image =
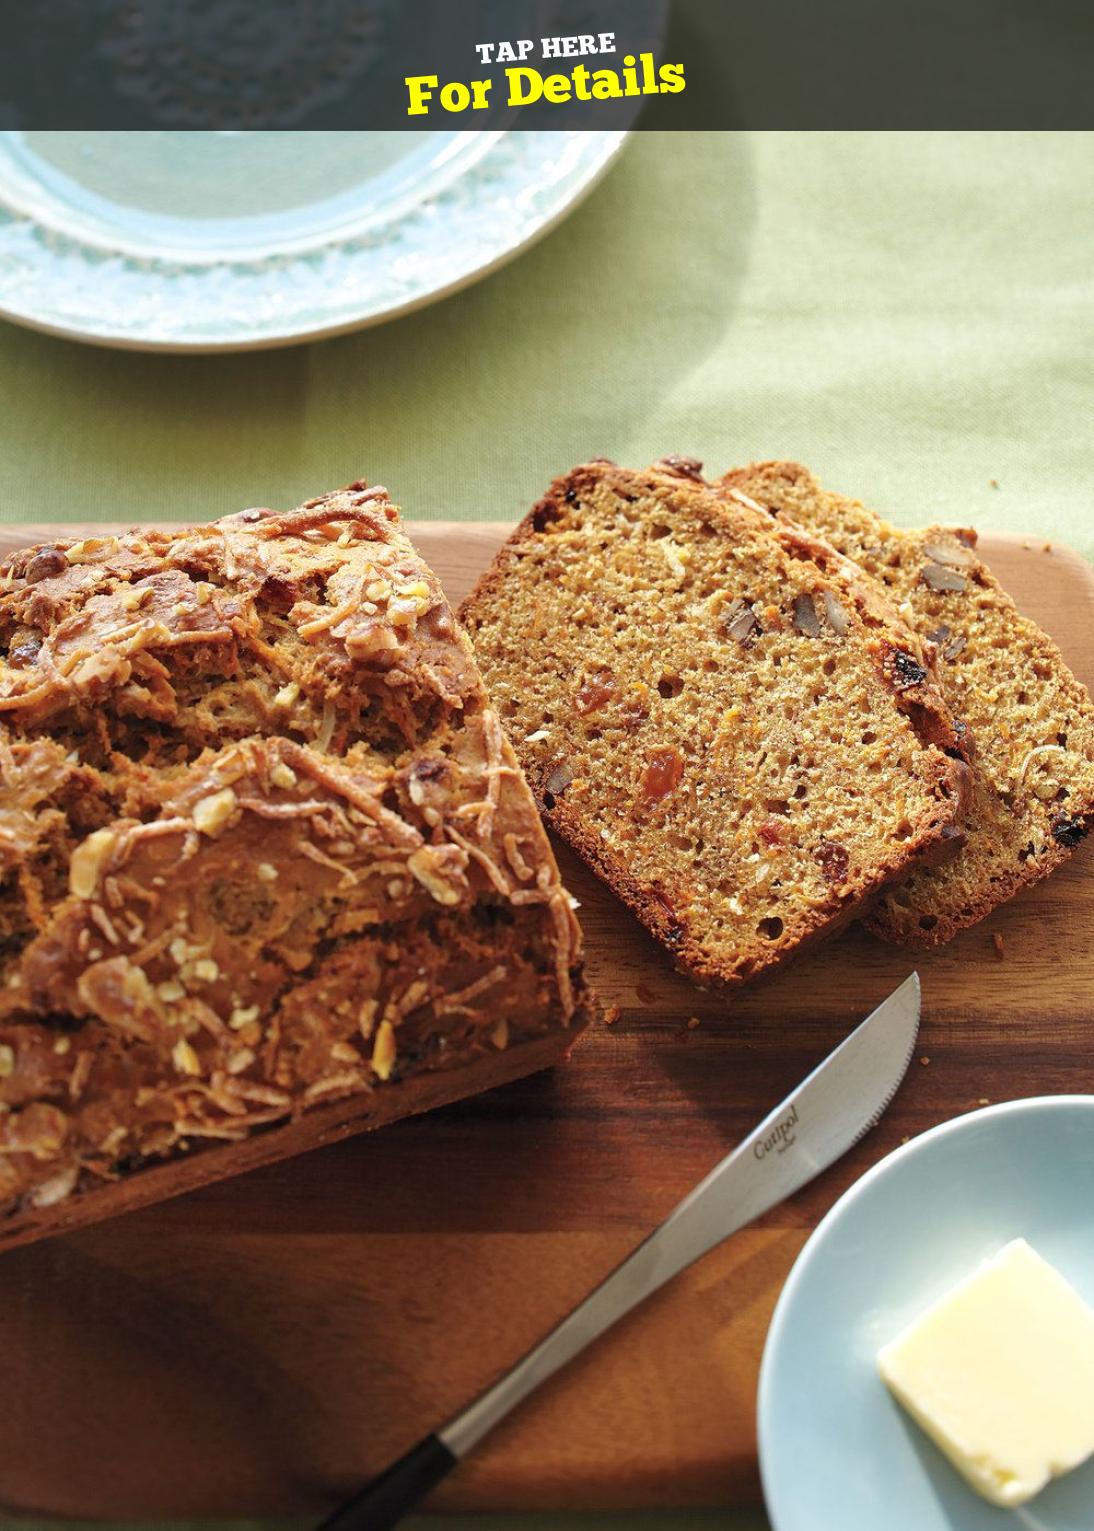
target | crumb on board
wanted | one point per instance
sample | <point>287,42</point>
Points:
<point>924,1060</point>
<point>693,1021</point>
<point>983,1101</point>
<point>999,944</point>
<point>611,1015</point>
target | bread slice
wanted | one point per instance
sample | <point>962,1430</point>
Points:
<point>716,712</point>
<point>1033,797</point>
<point>270,871</point>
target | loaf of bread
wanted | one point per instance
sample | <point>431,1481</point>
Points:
<point>1033,797</point>
<point>270,869</point>
<point>718,713</point>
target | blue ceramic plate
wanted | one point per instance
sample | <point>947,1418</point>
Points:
<point>836,1452</point>
<point>207,241</point>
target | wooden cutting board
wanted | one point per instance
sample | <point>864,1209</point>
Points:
<point>264,1345</point>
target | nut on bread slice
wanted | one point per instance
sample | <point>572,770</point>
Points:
<point>1032,800</point>
<point>717,712</point>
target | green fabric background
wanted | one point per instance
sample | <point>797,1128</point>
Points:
<point>911,314</point>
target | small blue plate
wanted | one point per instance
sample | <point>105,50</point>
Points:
<point>837,1453</point>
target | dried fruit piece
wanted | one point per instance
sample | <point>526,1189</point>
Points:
<point>24,652</point>
<point>833,860</point>
<point>1067,830</point>
<point>902,669</point>
<point>595,690</point>
<point>663,773</point>
<point>672,932</point>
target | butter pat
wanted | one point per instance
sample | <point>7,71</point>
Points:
<point>1000,1375</point>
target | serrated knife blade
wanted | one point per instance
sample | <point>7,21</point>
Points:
<point>813,1127</point>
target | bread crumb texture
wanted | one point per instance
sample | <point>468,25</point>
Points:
<point>263,844</point>
<point>719,714</point>
<point>1033,794</point>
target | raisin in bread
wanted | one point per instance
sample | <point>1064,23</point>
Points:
<point>1033,798</point>
<point>719,714</point>
<point>265,853</point>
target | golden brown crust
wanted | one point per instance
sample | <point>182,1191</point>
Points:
<point>263,844</point>
<point>619,596</point>
<point>318,1126</point>
<point>1033,794</point>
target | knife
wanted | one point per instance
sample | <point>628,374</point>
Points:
<point>813,1127</point>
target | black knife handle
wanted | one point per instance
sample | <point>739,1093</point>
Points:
<point>396,1491</point>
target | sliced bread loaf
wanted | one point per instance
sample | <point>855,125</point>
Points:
<point>717,712</point>
<point>1033,799</point>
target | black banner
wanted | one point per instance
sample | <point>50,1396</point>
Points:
<point>399,65</point>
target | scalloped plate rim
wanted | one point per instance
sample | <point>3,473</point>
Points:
<point>577,187</point>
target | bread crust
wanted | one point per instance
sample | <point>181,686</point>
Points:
<point>677,484</point>
<point>264,850</point>
<point>161,1179</point>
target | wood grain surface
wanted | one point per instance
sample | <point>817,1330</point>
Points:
<point>264,1344</point>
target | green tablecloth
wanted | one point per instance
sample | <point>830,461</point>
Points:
<point>910,314</point>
